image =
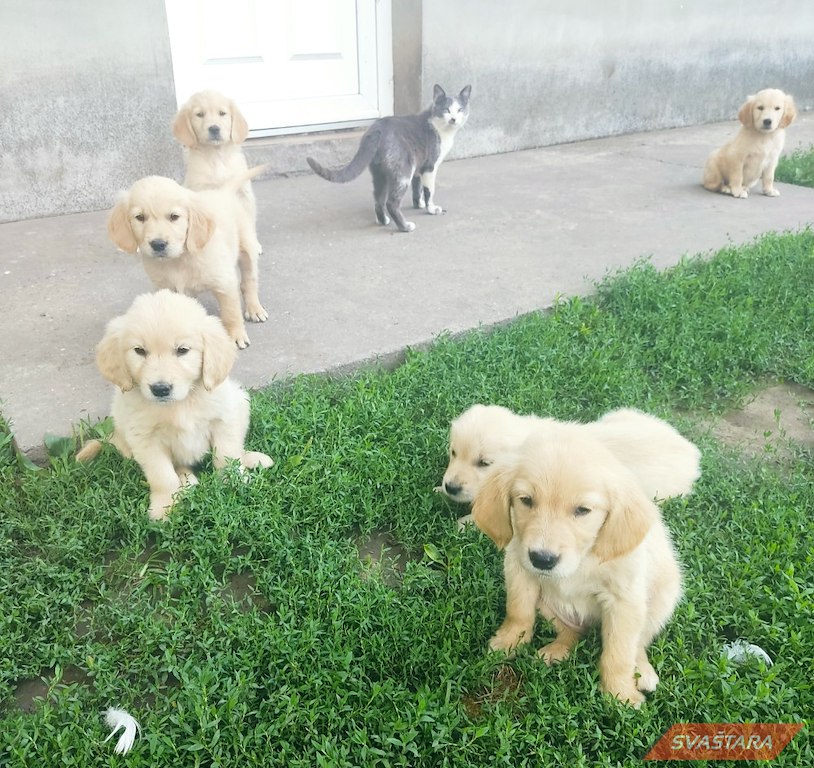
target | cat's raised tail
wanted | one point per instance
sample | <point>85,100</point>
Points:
<point>367,149</point>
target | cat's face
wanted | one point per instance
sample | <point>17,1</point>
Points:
<point>452,111</point>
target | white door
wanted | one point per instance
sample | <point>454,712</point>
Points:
<point>291,65</point>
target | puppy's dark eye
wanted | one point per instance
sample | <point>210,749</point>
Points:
<point>481,463</point>
<point>174,216</point>
<point>199,114</point>
<point>181,351</point>
<point>526,501</point>
<point>140,351</point>
<point>582,511</point>
<point>222,113</point>
<point>760,109</point>
<point>140,217</point>
<point>777,109</point>
<point>453,454</point>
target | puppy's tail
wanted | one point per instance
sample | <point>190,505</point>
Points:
<point>235,183</point>
<point>367,149</point>
<point>89,451</point>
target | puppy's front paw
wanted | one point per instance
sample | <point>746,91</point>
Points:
<point>252,459</point>
<point>771,192</point>
<point>625,691</point>
<point>464,521</point>
<point>647,679</point>
<point>554,652</point>
<point>741,193</point>
<point>508,637</point>
<point>256,313</point>
<point>241,339</point>
<point>159,506</point>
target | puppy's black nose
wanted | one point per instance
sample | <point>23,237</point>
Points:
<point>214,131</point>
<point>158,246</point>
<point>452,489</point>
<point>543,559</point>
<point>161,389</point>
<point>767,122</point>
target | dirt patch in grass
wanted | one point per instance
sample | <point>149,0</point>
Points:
<point>778,418</point>
<point>505,684</point>
<point>30,691</point>
<point>380,550</point>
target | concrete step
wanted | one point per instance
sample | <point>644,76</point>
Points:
<point>286,154</point>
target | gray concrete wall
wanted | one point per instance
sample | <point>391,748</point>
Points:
<point>86,102</point>
<point>547,72</point>
<point>87,96</point>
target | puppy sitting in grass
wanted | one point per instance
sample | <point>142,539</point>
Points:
<point>174,402</point>
<point>583,546</point>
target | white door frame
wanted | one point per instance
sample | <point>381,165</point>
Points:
<point>379,59</point>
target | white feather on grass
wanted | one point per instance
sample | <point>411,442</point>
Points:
<point>116,719</point>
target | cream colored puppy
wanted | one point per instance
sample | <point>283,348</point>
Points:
<point>174,402</point>
<point>584,545</point>
<point>190,242</point>
<point>665,463</point>
<point>211,128</point>
<point>753,153</point>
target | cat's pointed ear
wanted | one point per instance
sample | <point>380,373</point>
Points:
<point>438,93</point>
<point>463,96</point>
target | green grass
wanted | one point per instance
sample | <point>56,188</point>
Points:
<point>246,631</point>
<point>797,167</point>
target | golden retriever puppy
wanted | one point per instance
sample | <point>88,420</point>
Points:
<point>753,154</point>
<point>665,463</point>
<point>174,401</point>
<point>584,545</point>
<point>211,129</point>
<point>478,438</point>
<point>189,242</point>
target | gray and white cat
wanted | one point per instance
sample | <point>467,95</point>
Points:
<point>404,150</point>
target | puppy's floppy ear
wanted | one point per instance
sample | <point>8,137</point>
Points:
<point>118,225</point>
<point>182,128</point>
<point>219,353</point>
<point>110,356</point>
<point>491,508</point>
<point>200,228</point>
<point>630,517</point>
<point>789,112</point>
<point>240,127</point>
<point>746,112</point>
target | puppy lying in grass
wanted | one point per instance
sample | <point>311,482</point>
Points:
<point>584,545</point>
<point>753,154</point>
<point>665,463</point>
<point>174,402</point>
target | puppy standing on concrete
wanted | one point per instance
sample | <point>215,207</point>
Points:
<point>211,129</point>
<point>190,242</point>
<point>753,153</point>
<point>174,400</point>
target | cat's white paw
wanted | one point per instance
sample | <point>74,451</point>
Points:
<point>409,226</point>
<point>434,209</point>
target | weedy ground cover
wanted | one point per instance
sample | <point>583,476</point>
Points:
<point>251,629</point>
